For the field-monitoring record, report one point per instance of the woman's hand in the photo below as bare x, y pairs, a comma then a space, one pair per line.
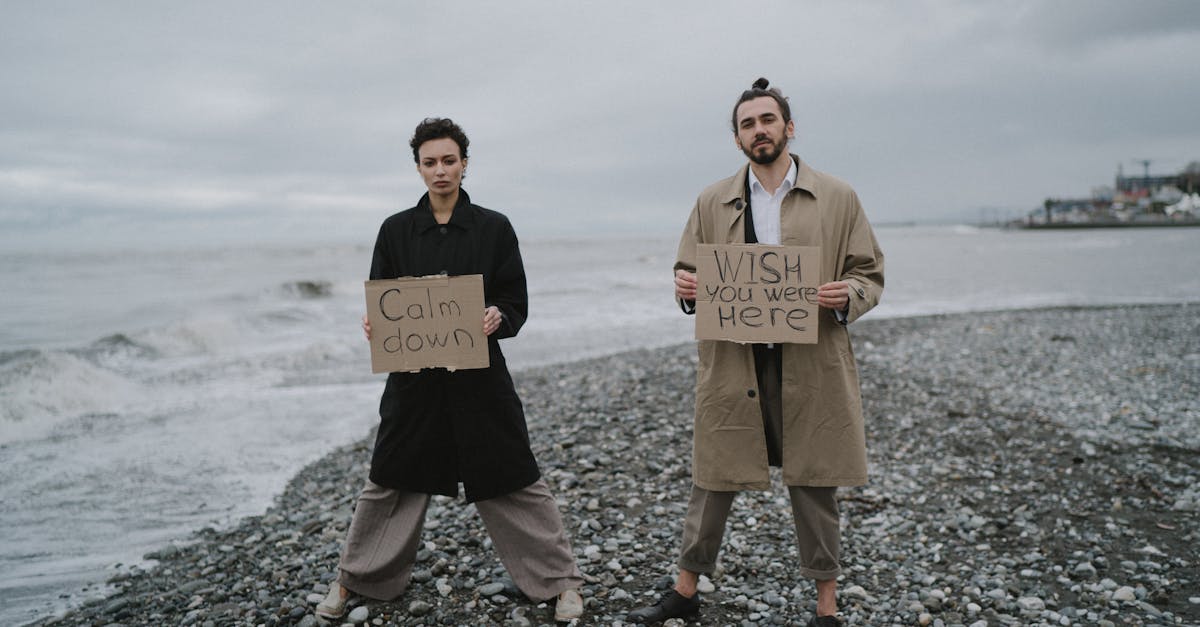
491, 320
367, 327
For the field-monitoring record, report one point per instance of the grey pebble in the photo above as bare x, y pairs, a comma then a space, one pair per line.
491, 589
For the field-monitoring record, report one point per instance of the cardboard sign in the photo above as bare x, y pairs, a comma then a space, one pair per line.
427, 322
755, 293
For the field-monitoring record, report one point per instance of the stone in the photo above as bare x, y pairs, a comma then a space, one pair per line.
855, 592
491, 589
192, 586
1031, 604
1124, 594
1149, 609
419, 608
705, 585
115, 606
359, 614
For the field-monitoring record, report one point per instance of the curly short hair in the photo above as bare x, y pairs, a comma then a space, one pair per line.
758, 90
437, 128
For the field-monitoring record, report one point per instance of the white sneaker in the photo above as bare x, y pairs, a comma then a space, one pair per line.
334, 604
569, 606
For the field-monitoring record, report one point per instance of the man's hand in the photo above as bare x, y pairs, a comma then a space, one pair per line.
685, 285
835, 295
491, 320
366, 327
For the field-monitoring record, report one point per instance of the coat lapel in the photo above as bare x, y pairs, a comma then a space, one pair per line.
799, 215
737, 204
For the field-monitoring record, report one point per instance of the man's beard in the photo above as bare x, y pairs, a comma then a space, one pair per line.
769, 155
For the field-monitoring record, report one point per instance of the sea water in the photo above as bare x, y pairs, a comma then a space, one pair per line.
152, 385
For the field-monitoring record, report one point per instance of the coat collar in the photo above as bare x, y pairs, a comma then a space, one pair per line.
461, 217
806, 180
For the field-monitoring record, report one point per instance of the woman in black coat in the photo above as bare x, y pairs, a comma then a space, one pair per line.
440, 428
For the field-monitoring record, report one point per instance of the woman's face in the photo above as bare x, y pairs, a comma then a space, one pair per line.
441, 166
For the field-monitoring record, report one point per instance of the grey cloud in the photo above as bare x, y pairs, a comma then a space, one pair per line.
580, 113
1081, 22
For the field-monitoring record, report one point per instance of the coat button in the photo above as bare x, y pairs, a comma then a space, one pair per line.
751, 393
442, 230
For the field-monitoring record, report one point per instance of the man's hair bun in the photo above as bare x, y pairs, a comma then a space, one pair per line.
762, 89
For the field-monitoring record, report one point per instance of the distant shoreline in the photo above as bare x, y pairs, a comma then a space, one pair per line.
1107, 225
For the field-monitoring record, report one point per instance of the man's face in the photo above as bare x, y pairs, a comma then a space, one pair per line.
761, 131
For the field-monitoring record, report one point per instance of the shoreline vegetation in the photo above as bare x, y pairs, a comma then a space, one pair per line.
1109, 224
1032, 467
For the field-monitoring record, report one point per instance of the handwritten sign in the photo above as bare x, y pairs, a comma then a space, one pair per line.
755, 293
427, 322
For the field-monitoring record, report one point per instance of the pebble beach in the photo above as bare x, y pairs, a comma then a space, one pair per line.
1032, 467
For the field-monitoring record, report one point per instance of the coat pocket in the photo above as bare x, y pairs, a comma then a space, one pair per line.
727, 413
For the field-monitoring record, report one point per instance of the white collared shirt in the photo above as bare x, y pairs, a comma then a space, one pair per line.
765, 206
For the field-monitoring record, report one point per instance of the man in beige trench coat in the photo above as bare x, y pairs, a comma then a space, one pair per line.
794, 406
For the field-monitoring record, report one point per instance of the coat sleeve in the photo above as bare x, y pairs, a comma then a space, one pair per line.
685, 257
506, 287
382, 261
863, 265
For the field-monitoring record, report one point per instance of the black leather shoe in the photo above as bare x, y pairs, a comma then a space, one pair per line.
671, 605
824, 621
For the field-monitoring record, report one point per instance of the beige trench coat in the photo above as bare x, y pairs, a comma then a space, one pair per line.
823, 437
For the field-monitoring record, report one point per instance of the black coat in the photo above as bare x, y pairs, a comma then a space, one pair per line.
438, 428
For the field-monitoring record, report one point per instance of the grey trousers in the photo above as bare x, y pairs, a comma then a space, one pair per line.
814, 513
525, 527
814, 509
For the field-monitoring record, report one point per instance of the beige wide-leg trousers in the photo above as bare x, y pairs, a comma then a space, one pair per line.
814, 509
525, 527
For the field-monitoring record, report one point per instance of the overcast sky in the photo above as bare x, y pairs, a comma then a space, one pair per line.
583, 116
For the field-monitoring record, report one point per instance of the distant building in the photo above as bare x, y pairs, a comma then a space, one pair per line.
1187, 206
1131, 199
1135, 187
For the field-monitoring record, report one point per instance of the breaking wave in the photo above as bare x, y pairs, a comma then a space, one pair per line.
308, 289
40, 389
